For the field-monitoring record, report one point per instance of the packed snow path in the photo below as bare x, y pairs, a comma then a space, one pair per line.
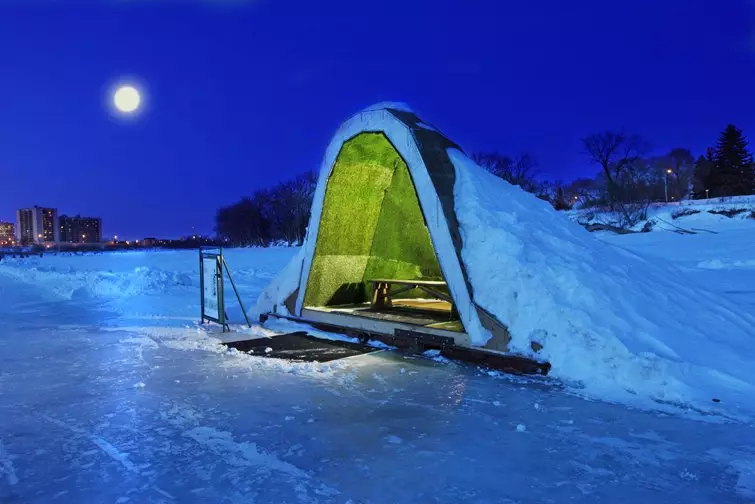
122, 399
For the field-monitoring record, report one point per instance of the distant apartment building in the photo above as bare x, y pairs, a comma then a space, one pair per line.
36, 225
7, 234
80, 229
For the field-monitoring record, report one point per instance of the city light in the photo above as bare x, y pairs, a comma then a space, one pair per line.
39, 226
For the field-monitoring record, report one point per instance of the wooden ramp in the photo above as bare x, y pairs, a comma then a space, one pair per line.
404, 337
300, 347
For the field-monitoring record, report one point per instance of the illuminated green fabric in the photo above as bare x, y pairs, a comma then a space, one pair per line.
371, 225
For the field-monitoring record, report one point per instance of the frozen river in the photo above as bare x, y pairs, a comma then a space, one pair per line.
110, 393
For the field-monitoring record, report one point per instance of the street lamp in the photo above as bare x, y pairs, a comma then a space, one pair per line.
706, 193
665, 183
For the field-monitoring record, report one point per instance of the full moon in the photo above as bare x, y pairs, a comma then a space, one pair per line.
127, 99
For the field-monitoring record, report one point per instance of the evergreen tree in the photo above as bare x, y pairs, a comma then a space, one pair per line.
732, 173
559, 200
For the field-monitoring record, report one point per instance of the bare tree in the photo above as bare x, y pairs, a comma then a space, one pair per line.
291, 202
614, 153
635, 184
587, 192
269, 216
682, 166
520, 170
701, 175
617, 154
555, 193
245, 222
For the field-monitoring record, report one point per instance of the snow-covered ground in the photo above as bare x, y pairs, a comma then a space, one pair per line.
698, 216
627, 327
110, 392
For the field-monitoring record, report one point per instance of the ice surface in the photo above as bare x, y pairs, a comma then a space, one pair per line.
217, 426
625, 327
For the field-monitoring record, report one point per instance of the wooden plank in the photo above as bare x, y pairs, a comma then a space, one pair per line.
424, 304
387, 333
429, 283
433, 292
381, 294
353, 321
381, 290
300, 347
513, 364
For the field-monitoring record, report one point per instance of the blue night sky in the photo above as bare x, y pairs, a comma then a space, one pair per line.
242, 94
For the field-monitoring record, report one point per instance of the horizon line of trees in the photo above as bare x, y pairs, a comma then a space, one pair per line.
629, 179
627, 182
269, 216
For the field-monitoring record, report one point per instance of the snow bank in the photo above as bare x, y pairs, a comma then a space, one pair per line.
692, 215
70, 283
120, 276
622, 326
286, 282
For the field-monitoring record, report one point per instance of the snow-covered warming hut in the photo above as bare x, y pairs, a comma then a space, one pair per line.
409, 236
384, 247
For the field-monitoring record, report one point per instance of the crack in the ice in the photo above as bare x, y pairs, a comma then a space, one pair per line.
6, 466
102, 444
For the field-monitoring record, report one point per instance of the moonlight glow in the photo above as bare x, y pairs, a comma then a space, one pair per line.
127, 99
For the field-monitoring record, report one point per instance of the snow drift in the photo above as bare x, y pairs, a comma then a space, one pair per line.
698, 216
619, 324
70, 283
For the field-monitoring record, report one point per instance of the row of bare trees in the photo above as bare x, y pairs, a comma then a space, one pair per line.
629, 179
269, 216
519, 170
627, 182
